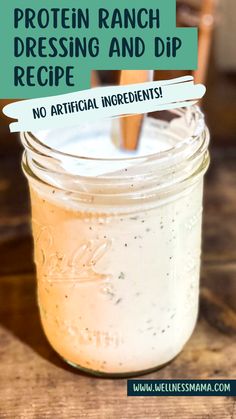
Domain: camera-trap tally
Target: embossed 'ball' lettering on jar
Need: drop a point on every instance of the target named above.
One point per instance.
(117, 240)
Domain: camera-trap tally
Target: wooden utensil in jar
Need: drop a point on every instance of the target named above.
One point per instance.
(130, 126)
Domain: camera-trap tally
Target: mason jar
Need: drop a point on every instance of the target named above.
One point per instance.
(117, 242)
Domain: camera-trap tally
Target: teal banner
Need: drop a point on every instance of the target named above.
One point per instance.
(223, 388)
(50, 47)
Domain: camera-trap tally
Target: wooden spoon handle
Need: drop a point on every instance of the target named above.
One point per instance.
(95, 81)
(130, 126)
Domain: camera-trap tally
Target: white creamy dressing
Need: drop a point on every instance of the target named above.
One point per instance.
(93, 141)
(118, 293)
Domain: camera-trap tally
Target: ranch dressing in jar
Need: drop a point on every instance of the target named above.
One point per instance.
(117, 239)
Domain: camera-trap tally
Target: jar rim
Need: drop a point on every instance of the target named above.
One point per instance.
(31, 142)
(129, 180)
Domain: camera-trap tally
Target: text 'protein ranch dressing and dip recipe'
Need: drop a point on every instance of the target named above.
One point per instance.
(117, 237)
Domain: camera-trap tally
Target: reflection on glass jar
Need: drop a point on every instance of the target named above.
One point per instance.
(118, 241)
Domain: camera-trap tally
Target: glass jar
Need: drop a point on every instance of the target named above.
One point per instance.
(117, 252)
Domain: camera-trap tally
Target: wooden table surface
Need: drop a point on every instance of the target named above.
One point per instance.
(35, 383)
